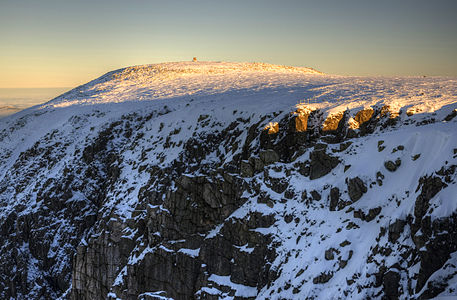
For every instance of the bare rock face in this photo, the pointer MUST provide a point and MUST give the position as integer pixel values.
(301, 117)
(301, 123)
(364, 115)
(200, 203)
(272, 128)
(433, 235)
(195, 207)
(390, 285)
(97, 263)
(430, 186)
(332, 122)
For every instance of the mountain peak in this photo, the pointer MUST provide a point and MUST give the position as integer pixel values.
(164, 80)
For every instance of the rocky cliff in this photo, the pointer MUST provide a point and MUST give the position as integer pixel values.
(232, 181)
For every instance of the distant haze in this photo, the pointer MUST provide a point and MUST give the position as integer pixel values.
(67, 43)
(15, 99)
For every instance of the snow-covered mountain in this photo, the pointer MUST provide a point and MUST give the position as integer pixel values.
(211, 180)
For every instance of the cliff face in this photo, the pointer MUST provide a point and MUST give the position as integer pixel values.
(209, 181)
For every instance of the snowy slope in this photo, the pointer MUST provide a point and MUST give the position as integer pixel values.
(151, 172)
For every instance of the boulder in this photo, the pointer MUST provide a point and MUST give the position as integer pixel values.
(334, 198)
(269, 156)
(390, 166)
(356, 188)
(257, 163)
(329, 254)
(246, 169)
(321, 163)
(315, 195)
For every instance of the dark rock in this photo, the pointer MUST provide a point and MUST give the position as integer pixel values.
(321, 163)
(334, 198)
(269, 156)
(343, 263)
(390, 166)
(316, 196)
(372, 213)
(288, 218)
(304, 195)
(415, 157)
(246, 169)
(289, 194)
(451, 116)
(380, 146)
(390, 285)
(358, 214)
(345, 243)
(433, 242)
(395, 230)
(352, 225)
(279, 185)
(430, 186)
(344, 146)
(320, 147)
(329, 254)
(356, 188)
(303, 168)
(257, 163)
(322, 278)
(379, 178)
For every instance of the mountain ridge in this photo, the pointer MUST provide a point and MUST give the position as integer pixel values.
(232, 185)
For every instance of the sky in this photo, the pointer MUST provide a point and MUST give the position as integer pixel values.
(66, 43)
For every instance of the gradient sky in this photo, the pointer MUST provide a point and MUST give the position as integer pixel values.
(67, 43)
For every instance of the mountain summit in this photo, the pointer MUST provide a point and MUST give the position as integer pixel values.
(213, 180)
(154, 81)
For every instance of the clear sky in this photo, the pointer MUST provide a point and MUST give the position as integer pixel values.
(66, 43)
